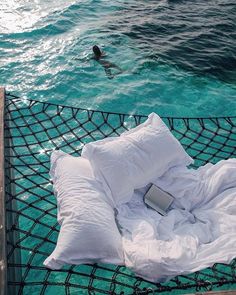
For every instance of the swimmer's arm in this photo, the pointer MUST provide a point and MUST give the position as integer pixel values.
(84, 58)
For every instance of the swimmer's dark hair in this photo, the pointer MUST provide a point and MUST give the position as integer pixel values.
(97, 51)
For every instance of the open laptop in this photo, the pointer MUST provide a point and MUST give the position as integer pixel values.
(158, 199)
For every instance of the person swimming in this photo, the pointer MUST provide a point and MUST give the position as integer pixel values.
(107, 65)
(97, 52)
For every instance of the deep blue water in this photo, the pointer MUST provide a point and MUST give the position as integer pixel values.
(178, 57)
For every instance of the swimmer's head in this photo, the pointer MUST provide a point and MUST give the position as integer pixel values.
(97, 52)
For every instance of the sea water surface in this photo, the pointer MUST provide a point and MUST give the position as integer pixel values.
(178, 56)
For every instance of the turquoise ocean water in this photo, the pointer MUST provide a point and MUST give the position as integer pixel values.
(178, 57)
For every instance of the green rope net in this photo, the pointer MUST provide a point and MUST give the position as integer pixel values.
(32, 130)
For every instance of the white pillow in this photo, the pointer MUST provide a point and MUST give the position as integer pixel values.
(88, 232)
(136, 158)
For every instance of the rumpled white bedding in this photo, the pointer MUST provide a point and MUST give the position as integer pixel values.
(198, 231)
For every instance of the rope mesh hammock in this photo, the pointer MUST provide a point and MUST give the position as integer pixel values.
(32, 130)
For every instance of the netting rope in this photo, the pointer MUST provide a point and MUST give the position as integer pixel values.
(32, 130)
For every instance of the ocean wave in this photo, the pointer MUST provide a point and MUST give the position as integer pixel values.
(197, 37)
(175, 55)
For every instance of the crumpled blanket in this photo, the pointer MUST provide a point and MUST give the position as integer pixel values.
(198, 231)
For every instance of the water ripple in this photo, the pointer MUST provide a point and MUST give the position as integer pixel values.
(186, 33)
(178, 56)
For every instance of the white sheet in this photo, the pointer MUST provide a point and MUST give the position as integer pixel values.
(199, 230)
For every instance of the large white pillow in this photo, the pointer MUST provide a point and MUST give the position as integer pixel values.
(135, 158)
(88, 230)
